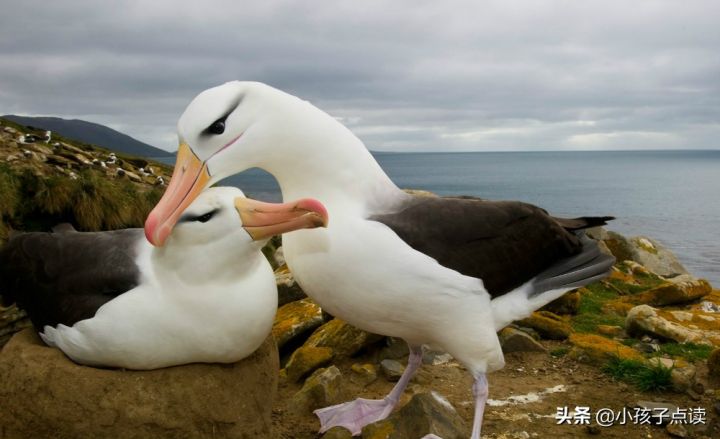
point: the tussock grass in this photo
(689, 351)
(9, 191)
(647, 377)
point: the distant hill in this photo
(92, 133)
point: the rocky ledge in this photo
(43, 394)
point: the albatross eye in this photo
(188, 218)
(205, 218)
(217, 127)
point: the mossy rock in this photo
(548, 325)
(305, 360)
(597, 349)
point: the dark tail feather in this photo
(588, 266)
(583, 222)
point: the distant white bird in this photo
(447, 272)
(112, 299)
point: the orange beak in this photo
(263, 220)
(189, 179)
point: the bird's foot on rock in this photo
(354, 415)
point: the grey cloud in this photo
(404, 75)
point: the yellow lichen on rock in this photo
(595, 348)
(548, 325)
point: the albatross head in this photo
(225, 214)
(241, 125)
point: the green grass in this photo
(689, 351)
(645, 376)
(590, 311)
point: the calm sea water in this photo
(671, 196)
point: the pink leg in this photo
(354, 415)
(480, 390)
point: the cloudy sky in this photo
(403, 75)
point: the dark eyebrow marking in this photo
(225, 115)
(188, 217)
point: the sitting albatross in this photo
(447, 272)
(112, 299)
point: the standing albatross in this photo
(447, 272)
(112, 299)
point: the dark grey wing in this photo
(66, 277)
(504, 243)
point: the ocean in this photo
(670, 196)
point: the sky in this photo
(402, 75)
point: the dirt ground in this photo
(585, 386)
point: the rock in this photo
(46, 395)
(619, 246)
(323, 388)
(548, 325)
(656, 258)
(514, 340)
(305, 360)
(394, 349)
(435, 358)
(288, 289)
(363, 374)
(597, 349)
(610, 330)
(644, 319)
(295, 319)
(10, 130)
(682, 374)
(676, 430)
(713, 363)
(337, 433)
(345, 339)
(392, 369)
(425, 413)
(568, 303)
(681, 289)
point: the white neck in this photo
(323, 159)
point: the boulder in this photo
(514, 340)
(680, 326)
(656, 258)
(568, 303)
(680, 289)
(426, 413)
(597, 349)
(344, 339)
(44, 394)
(294, 319)
(548, 325)
(305, 360)
(323, 388)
